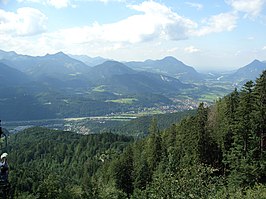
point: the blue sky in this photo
(208, 35)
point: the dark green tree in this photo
(260, 124)
(243, 153)
(153, 148)
(260, 109)
(123, 172)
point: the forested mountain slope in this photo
(218, 153)
(46, 163)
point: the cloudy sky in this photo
(216, 35)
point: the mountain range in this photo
(58, 65)
(60, 85)
(169, 66)
(61, 70)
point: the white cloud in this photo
(65, 3)
(198, 6)
(191, 49)
(163, 21)
(218, 23)
(25, 22)
(264, 48)
(156, 22)
(250, 7)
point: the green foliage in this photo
(141, 125)
(192, 182)
(48, 163)
(217, 153)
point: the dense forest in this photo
(220, 152)
(47, 163)
(139, 127)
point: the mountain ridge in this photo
(248, 72)
(49, 64)
(168, 66)
(90, 61)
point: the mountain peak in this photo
(90, 61)
(7, 54)
(255, 61)
(248, 72)
(58, 55)
(114, 65)
(170, 58)
(255, 64)
(111, 62)
(108, 69)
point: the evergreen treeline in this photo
(218, 153)
(46, 163)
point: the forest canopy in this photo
(218, 153)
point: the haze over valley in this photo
(65, 86)
(70, 58)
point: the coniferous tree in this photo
(242, 156)
(123, 172)
(153, 146)
(260, 108)
(203, 149)
(246, 115)
(260, 125)
(232, 102)
(142, 175)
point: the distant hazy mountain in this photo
(8, 55)
(17, 101)
(144, 82)
(20, 62)
(248, 72)
(67, 87)
(12, 77)
(169, 66)
(57, 70)
(120, 78)
(55, 65)
(90, 61)
(107, 70)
